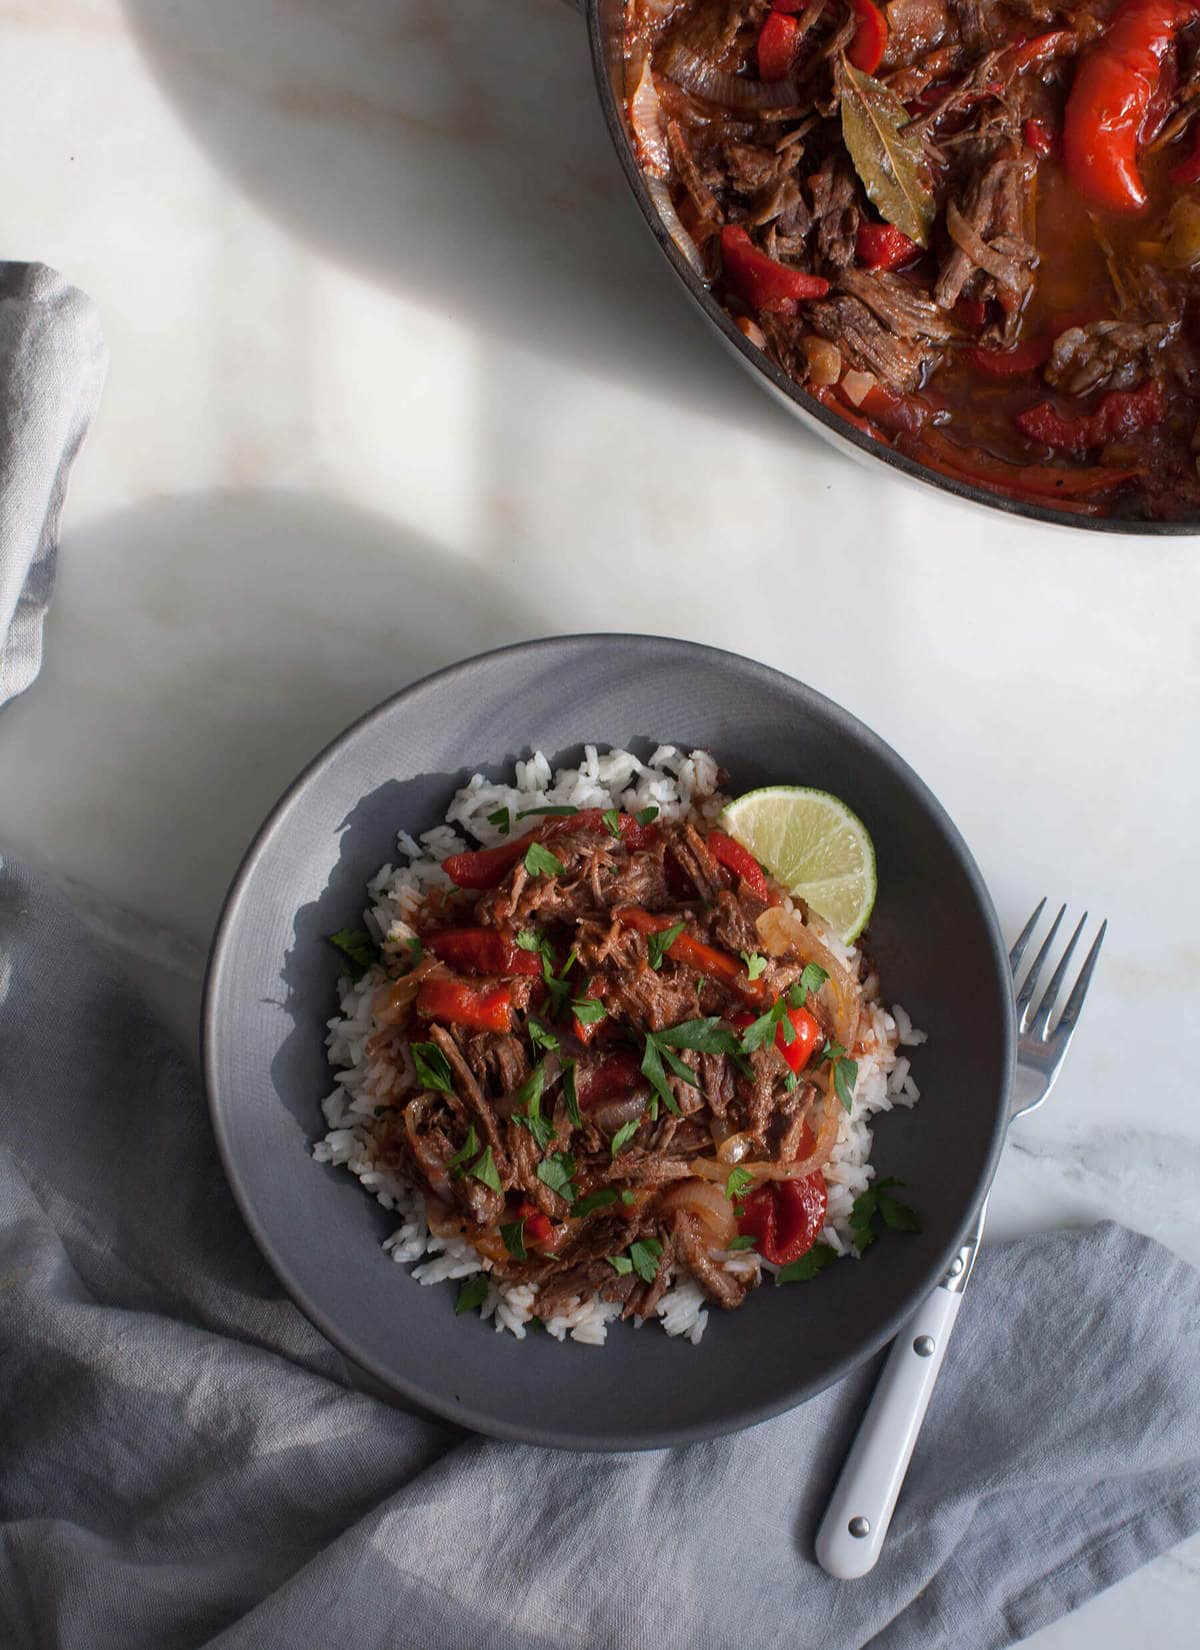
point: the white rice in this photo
(680, 786)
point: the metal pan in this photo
(604, 19)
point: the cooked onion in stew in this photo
(971, 230)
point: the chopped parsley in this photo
(754, 963)
(539, 1036)
(845, 1072)
(529, 1097)
(738, 1180)
(587, 1010)
(570, 1095)
(645, 1256)
(762, 1031)
(472, 1292)
(484, 1168)
(593, 1201)
(807, 1267)
(645, 815)
(502, 820)
(415, 946)
(559, 809)
(657, 945)
(628, 1197)
(539, 861)
(812, 979)
(557, 1172)
(358, 948)
(468, 1149)
(514, 1238)
(433, 1068)
(623, 1136)
(706, 1036)
(529, 940)
(611, 820)
(746, 1241)
(875, 1201)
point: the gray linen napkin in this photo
(52, 364)
(184, 1464)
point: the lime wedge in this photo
(814, 846)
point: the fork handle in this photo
(865, 1496)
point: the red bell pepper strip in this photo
(777, 42)
(762, 282)
(869, 43)
(972, 312)
(486, 1008)
(1121, 413)
(1114, 86)
(883, 246)
(896, 412)
(482, 951)
(799, 1051)
(1008, 363)
(1187, 170)
(694, 953)
(1039, 483)
(538, 1228)
(609, 1079)
(785, 1217)
(487, 867)
(740, 861)
(1036, 53)
(1038, 137)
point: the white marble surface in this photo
(398, 375)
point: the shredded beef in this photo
(1111, 355)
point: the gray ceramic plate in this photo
(271, 988)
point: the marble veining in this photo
(398, 375)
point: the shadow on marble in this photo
(154, 745)
(459, 162)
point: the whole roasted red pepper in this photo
(694, 953)
(762, 282)
(1114, 86)
(458, 1002)
(487, 867)
(740, 861)
(482, 951)
(1121, 413)
(883, 246)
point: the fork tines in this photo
(1035, 1022)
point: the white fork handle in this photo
(860, 1509)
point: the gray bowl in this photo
(271, 988)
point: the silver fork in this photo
(860, 1509)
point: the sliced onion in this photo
(673, 223)
(733, 1148)
(443, 1221)
(709, 1205)
(687, 69)
(711, 1168)
(645, 117)
(782, 931)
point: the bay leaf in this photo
(891, 165)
